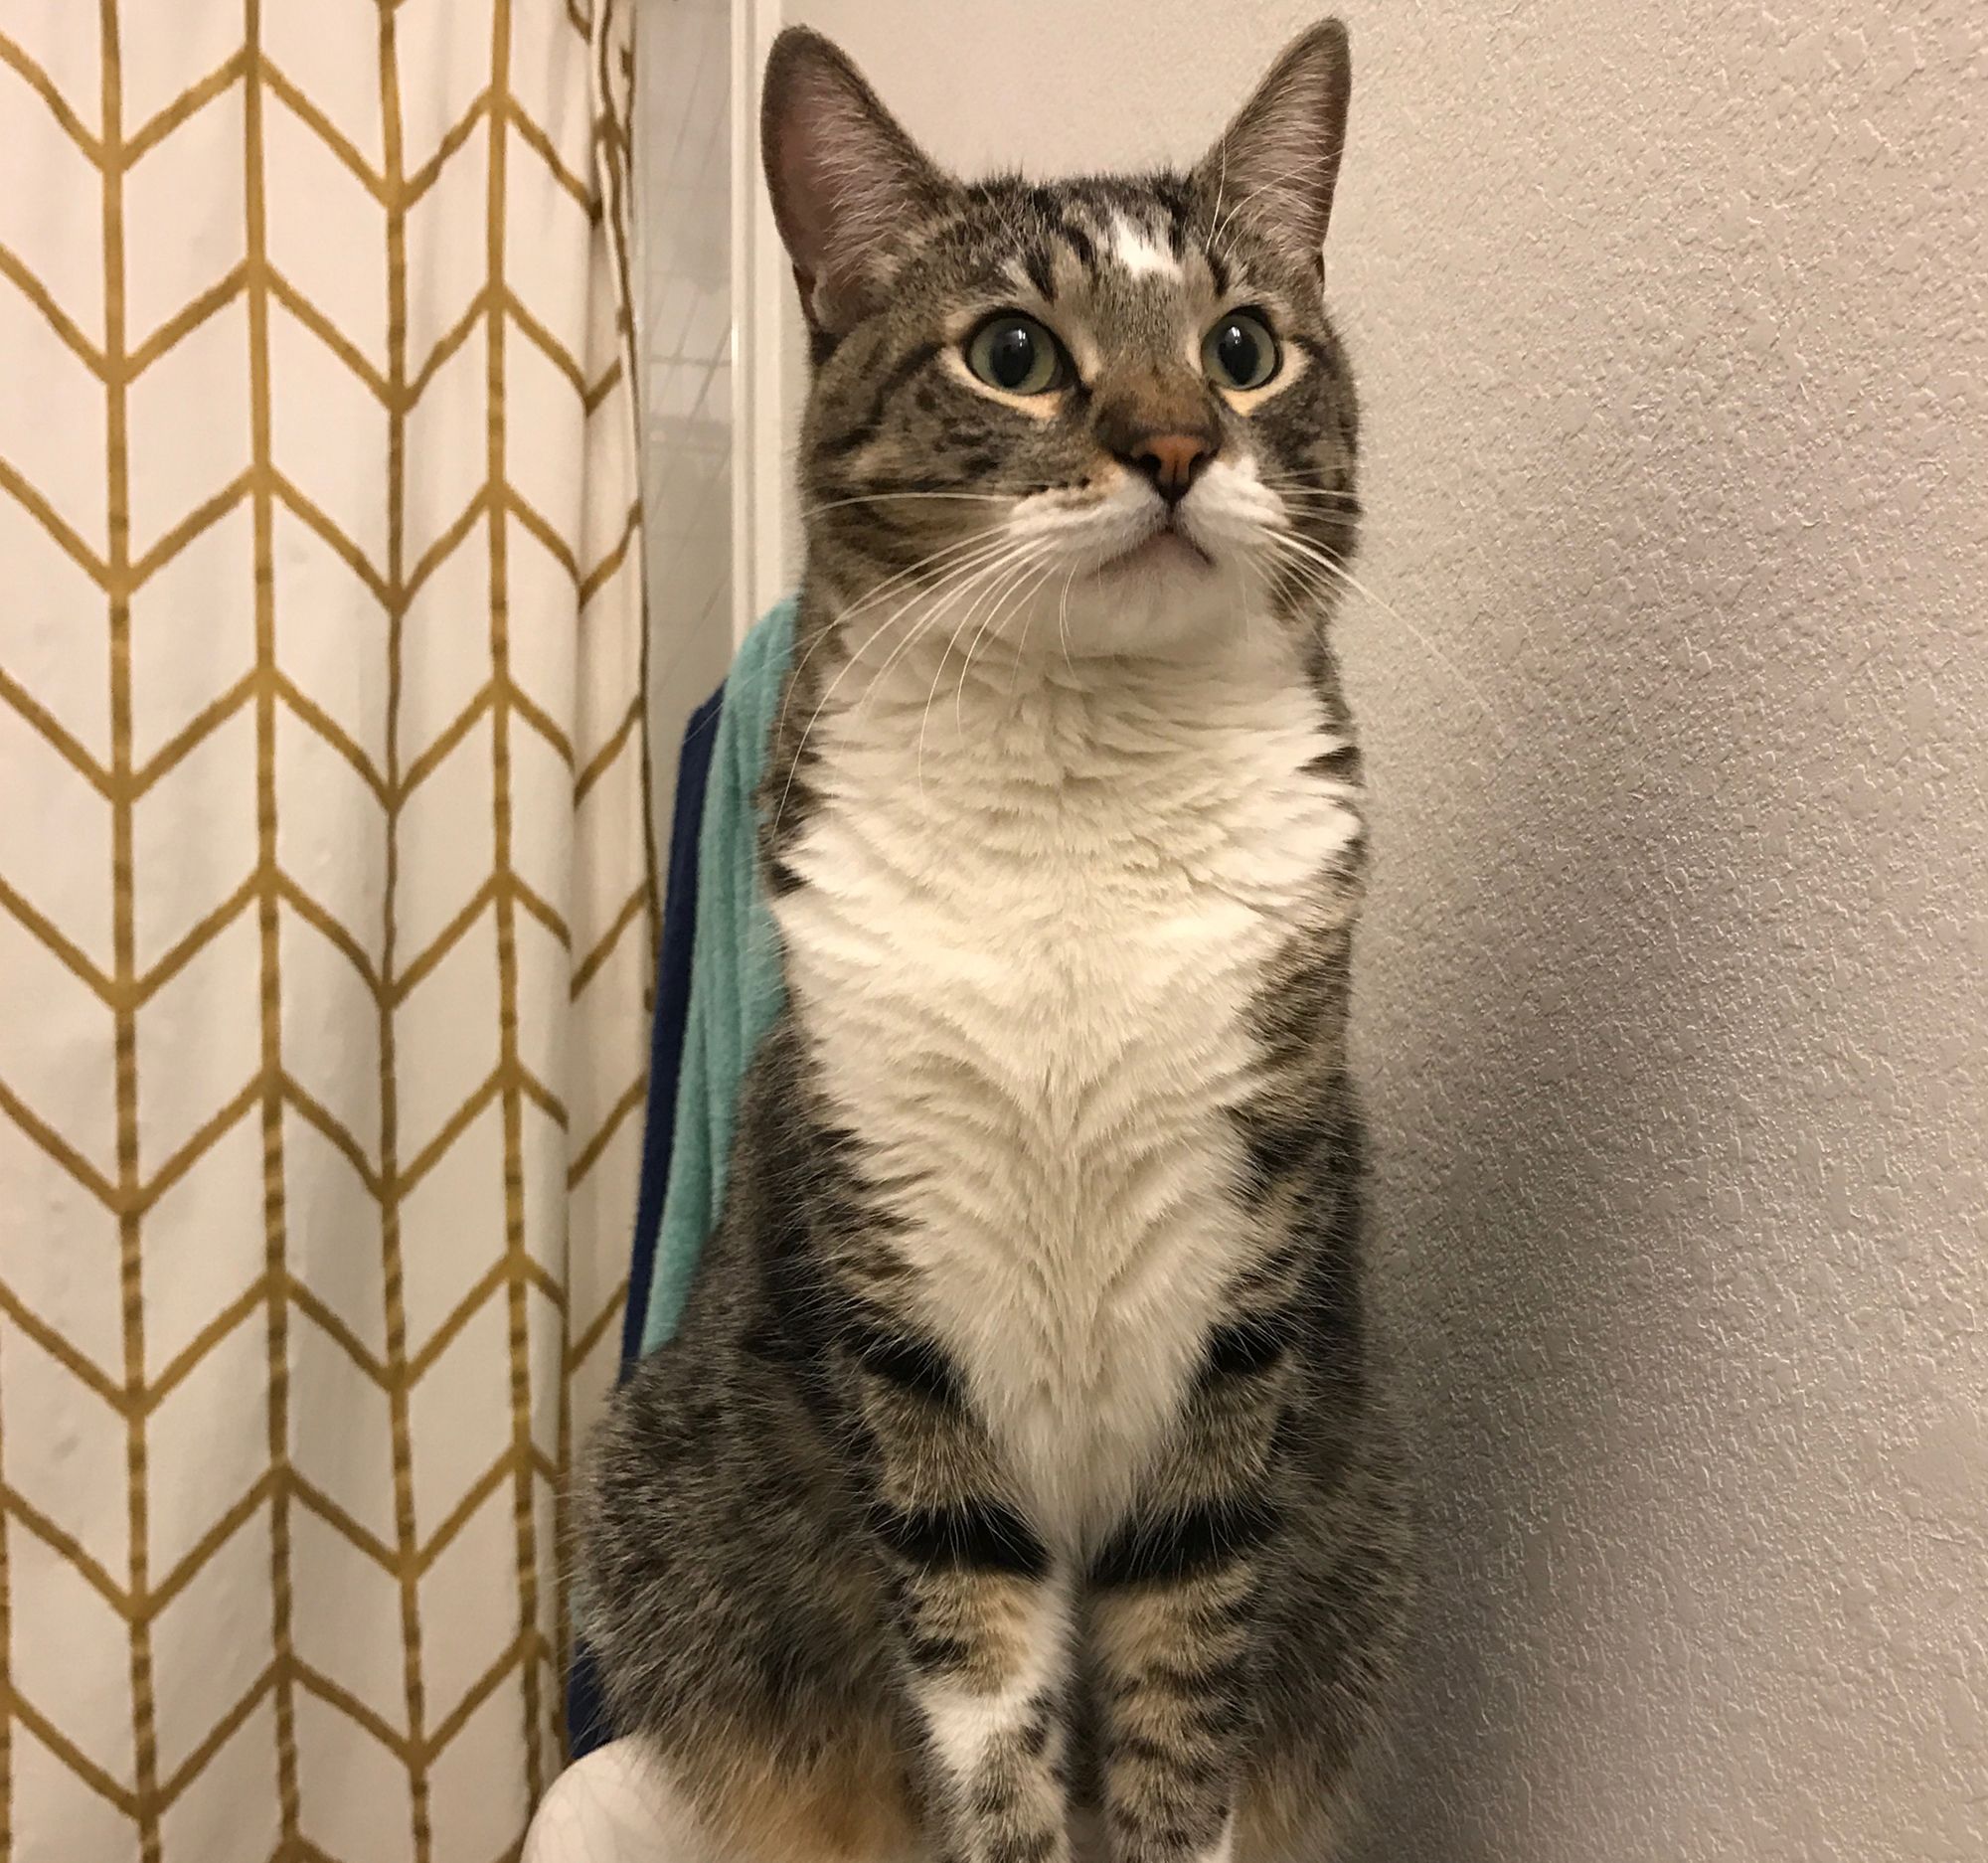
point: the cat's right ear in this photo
(847, 183)
(1277, 164)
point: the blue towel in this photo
(587, 1721)
(719, 988)
(736, 987)
(673, 984)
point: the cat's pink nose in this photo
(1171, 460)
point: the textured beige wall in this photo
(1673, 329)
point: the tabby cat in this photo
(1017, 1477)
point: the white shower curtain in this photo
(325, 909)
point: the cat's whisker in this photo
(1345, 515)
(1327, 575)
(995, 582)
(1046, 570)
(1303, 486)
(1022, 597)
(993, 593)
(982, 572)
(941, 595)
(995, 547)
(878, 498)
(995, 596)
(1261, 582)
(1020, 656)
(1063, 618)
(946, 553)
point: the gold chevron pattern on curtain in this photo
(325, 909)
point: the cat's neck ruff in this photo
(942, 677)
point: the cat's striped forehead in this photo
(1105, 230)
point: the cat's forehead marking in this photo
(1139, 253)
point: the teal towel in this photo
(735, 986)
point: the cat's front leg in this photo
(1173, 1616)
(984, 1610)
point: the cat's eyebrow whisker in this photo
(1206, 234)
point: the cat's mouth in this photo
(1165, 548)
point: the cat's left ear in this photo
(849, 186)
(1276, 163)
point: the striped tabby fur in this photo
(1017, 1472)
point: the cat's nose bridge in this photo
(1162, 425)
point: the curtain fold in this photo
(326, 909)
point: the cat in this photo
(1019, 1469)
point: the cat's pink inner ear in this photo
(847, 183)
(1275, 166)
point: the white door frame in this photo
(760, 282)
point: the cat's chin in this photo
(1162, 596)
(1166, 552)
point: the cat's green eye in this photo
(1015, 354)
(1239, 351)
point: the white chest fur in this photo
(1027, 956)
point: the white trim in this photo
(759, 284)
